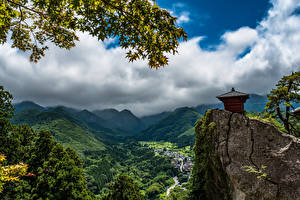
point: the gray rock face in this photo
(241, 142)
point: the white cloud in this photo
(179, 10)
(183, 18)
(237, 41)
(91, 76)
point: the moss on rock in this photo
(208, 180)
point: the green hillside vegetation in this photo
(152, 119)
(27, 105)
(56, 173)
(151, 173)
(64, 131)
(32, 117)
(173, 128)
(70, 134)
(106, 113)
(124, 121)
(103, 159)
(91, 119)
(267, 119)
(123, 186)
(189, 132)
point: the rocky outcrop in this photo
(273, 157)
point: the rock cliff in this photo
(239, 143)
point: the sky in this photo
(248, 45)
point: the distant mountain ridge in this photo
(106, 113)
(27, 105)
(125, 122)
(152, 119)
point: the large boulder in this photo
(272, 157)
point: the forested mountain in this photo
(106, 113)
(67, 132)
(152, 119)
(27, 105)
(112, 124)
(171, 127)
(91, 119)
(64, 108)
(124, 121)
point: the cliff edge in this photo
(245, 159)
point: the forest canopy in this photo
(141, 26)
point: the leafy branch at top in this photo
(143, 28)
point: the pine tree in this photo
(123, 189)
(281, 102)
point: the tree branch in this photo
(27, 8)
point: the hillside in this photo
(170, 128)
(27, 105)
(66, 130)
(106, 113)
(124, 121)
(70, 134)
(152, 119)
(91, 119)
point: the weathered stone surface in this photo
(241, 141)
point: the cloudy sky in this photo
(248, 44)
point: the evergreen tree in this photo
(123, 189)
(61, 176)
(281, 102)
(58, 172)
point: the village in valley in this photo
(181, 162)
(181, 158)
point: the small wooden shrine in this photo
(234, 101)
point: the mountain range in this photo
(110, 125)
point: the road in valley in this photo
(176, 183)
(181, 166)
